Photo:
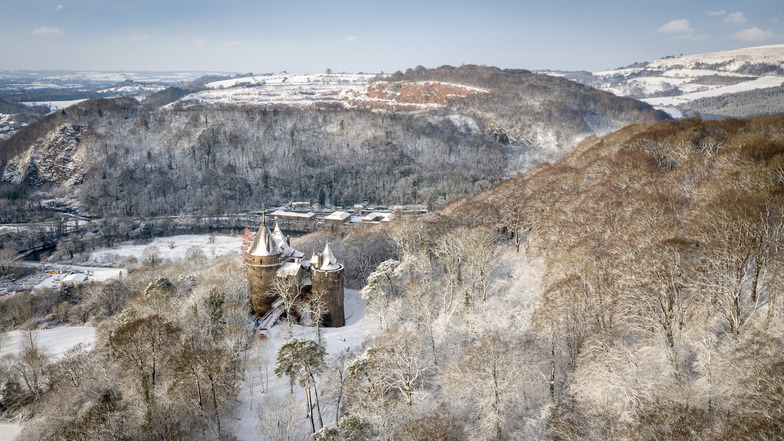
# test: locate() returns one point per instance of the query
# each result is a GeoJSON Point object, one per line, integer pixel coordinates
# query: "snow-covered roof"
{"type": "Point", "coordinates": [283, 244]}
{"type": "Point", "coordinates": [263, 245]}
{"type": "Point", "coordinates": [77, 277]}
{"type": "Point", "coordinates": [289, 269]}
{"type": "Point", "coordinates": [329, 262]}
{"type": "Point", "coordinates": [378, 216]}
{"type": "Point", "coordinates": [293, 215]}
{"type": "Point", "coordinates": [338, 215]}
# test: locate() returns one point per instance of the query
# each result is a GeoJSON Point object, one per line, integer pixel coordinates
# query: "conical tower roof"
{"type": "Point", "coordinates": [263, 245]}
{"type": "Point", "coordinates": [328, 261]}
{"type": "Point", "coordinates": [283, 243]}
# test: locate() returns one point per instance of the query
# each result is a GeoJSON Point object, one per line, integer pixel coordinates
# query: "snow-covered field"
{"type": "Point", "coordinates": [758, 83]}
{"type": "Point", "coordinates": [55, 341]}
{"type": "Point", "coordinates": [260, 380]}
{"type": "Point", "coordinates": [170, 248]}
{"type": "Point", "coordinates": [292, 79]}
{"type": "Point", "coordinates": [692, 77]}
{"type": "Point", "coordinates": [296, 95]}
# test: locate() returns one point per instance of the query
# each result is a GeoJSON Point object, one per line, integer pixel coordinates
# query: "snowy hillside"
{"type": "Point", "coordinates": [736, 60]}
{"type": "Point", "coordinates": [331, 90]}
{"type": "Point", "coordinates": [675, 84]}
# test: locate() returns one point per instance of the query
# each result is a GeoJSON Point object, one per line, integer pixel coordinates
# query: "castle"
{"type": "Point", "coordinates": [274, 265]}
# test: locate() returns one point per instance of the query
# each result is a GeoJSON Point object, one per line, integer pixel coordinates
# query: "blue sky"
{"type": "Point", "coordinates": [372, 36]}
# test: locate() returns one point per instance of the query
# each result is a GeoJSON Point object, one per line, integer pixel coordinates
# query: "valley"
{"type": "Point", "coordinates": [563, 262]}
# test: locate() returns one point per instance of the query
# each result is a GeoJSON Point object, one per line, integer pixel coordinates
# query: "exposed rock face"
{"type": "Point", "coordinates": [413, 95]}
{"type": "Point", "coordinates": [53, 159]}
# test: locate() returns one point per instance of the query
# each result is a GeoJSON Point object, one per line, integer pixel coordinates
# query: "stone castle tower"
{"type": "Point", "coordinates": [263, 259]}
{"type": "Point", "coordinates": [270, 258]}
{"type": "Point", "coordinates": [327, 278]}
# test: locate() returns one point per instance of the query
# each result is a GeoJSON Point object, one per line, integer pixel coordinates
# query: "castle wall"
{"type": "Point", "coordinates": [331, 283]}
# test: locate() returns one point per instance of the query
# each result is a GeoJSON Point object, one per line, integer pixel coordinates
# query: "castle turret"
{"type": "Point", "coordinates": [264, 258]}
{"type": "Point", "coordinates": [327, 280]}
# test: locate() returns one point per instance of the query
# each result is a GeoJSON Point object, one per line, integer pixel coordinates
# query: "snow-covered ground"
{"type": "Point", "coordinates": [260, 380]}
{"type": "Point", "coordinates": [9, 431]}
{"type": "Point", "coordinates": [96, 274]}
{"type": "Point", "coordinates": [54, 105]}
{"type": "Point", "coordinates": [55, 342]}
{"type": "Point", "coordinates": [170, 248]}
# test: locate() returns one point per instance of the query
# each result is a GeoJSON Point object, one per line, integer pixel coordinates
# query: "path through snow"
{"type": "Point", "coordinates": [260, 380]}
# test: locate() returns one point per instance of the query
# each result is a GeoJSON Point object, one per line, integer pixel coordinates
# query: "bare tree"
{"type": "Point", "coordinates": [7, 257]}
{"type": "Point", "coordinates": [144, 347]}
{"type": "Point", "coordinates": [151, 255]}
{"type": "Point", "coordinates": [280, 419]}
{"type": "Point", "coordinates": [290, 290]}
{"type": "Point", "coordinates": [486, 377]}
{"type": "Point", "coordinates": [31, 365]}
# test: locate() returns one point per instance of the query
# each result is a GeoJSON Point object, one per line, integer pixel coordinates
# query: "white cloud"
{"type": "Point", "coordinates": [46, 30]}
{"type": "Point", "coordinates": [232, 43]}
{"type": "Point", "coordinates": [717, 13]}
{"type": "Point", "coordinates": [754, 34]}
{"type": "Point", "coordinates": [736, 17]}
{"type": "Point", "coordinates": [679, 26]}
{"type": "Point", "coordinates": [346, 39]}
{"type": "Point", "coordinates": [59, 7]}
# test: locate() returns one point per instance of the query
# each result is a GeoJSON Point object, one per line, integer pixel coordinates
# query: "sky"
{"type": "Point", "coordinates": [371, 36]}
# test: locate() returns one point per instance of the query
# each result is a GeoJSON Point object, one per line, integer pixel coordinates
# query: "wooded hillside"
{"type": "Point", "coordinates": [644, 303]}
{"type": "Point", "coordinates": [121, 158]}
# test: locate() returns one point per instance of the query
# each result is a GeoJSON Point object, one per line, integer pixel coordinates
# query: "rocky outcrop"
{"type": "Point", "coordinates": [54, 159]}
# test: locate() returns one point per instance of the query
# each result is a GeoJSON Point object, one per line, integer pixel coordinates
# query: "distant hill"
{"type": "Point", "coordinates": [688, 84]}
{"type": "Point", "coordinates": [427, 135]}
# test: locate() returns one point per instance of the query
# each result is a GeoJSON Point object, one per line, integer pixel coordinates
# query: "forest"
{"type": "Point", "coordinates": [630, 290]}
{"type": "Point", "coordinates": [749, 104]}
